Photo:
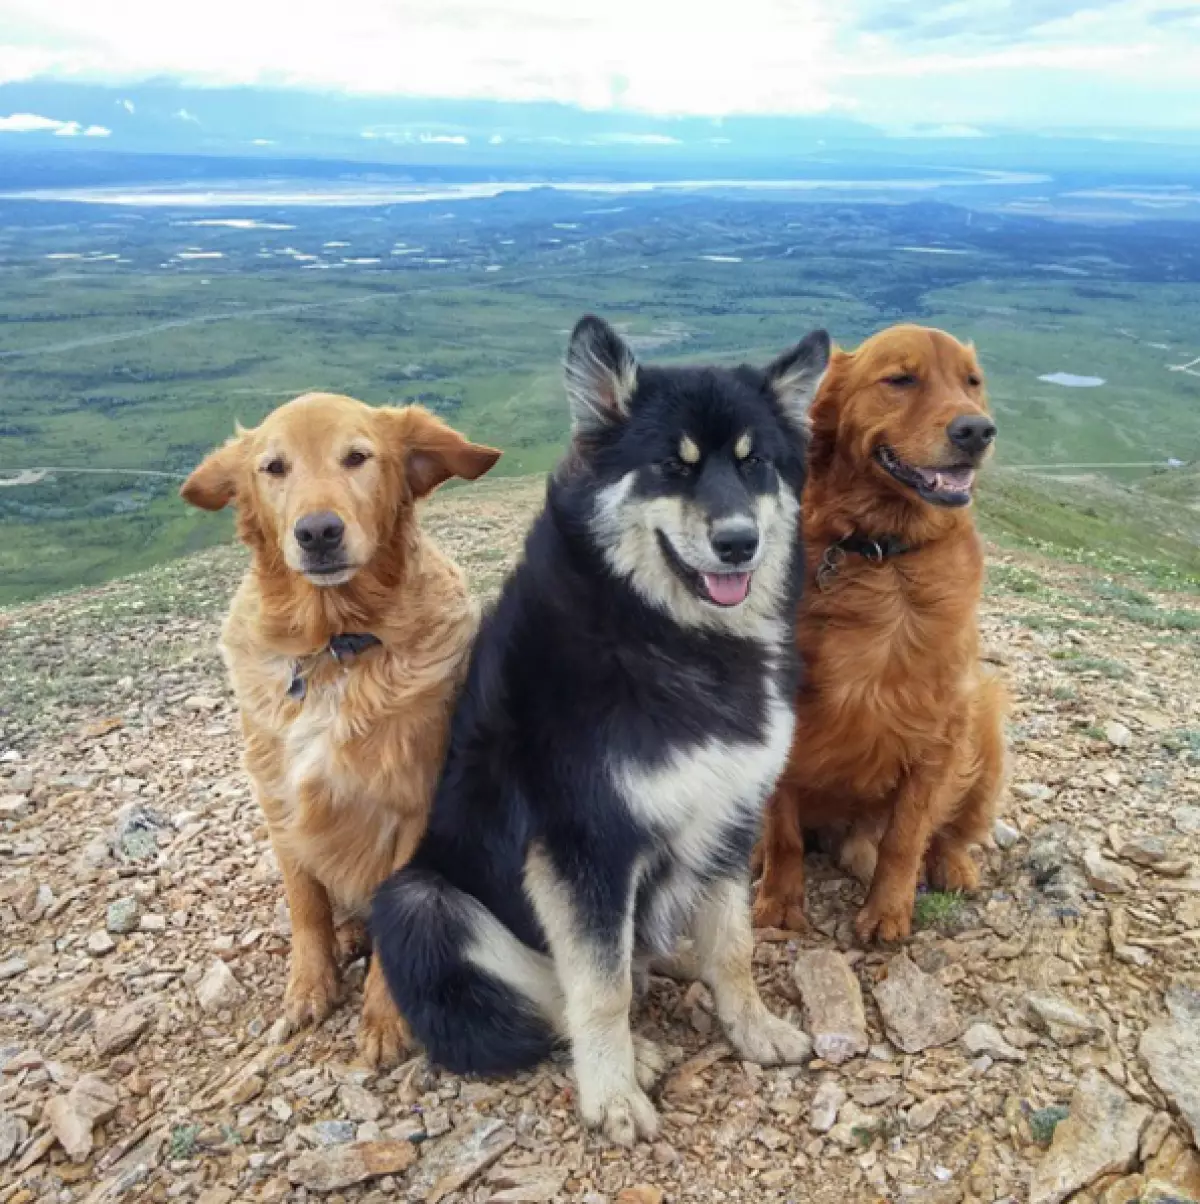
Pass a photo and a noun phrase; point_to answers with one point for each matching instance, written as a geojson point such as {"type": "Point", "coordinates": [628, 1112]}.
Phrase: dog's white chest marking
{"type": "Point", "coordinates": [691, 800]}
{"type": "Point", "coordinates": [313, 736]}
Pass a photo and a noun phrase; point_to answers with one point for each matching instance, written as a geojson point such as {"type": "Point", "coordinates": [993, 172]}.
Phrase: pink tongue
{"type": "Point", "coordinates": [727, 589]}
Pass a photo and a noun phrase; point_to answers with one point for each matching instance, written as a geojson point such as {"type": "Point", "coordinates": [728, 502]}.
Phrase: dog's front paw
{"type": "Point", "coordinates": [760, 1037]}
{"type": "Point", "coordinates": [382, 1034]}
{"type": "Point", "coordinates": [649, 1062]}
{"type": "Point", "coordinates": [885, 919]}
{"type": "Point", "coordinates": [312, 992]}
{"type": "Point", "coordinates": [623, 1117]}
{"type": "Point", "coordinates": [772, 912]}
{"type": "Point", "coordinates": [954, 869]}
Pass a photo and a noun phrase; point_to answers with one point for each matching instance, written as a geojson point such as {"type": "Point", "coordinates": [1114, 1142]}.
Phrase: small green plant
{"type": "Point", "coordinates": [183, 1142]}
{"type": "Point", "coordinates": [1064, 693]}
{"type": "Point", "coordinates": [1044, 1121]}
{"type": "Point", "coordinates": [1098, 664]}
{"type": "Point", "coordinates": [938, 909]}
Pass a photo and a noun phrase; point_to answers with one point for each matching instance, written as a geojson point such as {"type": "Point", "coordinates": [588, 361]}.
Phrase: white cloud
{"type": "Point", "coordinates": [449, 139]}
{"type": "Point", "coordinates": [34, 123]}
{"type": "Point", "coordinates": [947, 62]}
{"type": "Point", "coordinates": [774, 57]}
{"type": "Point", "coordinates": [28, 123]}
{"type": "Point", "coordinates": [128, 106]}
{"type": "Point", "coordinates": [639, 139]}
{"type": "Point", "coordinates": [184, 115]}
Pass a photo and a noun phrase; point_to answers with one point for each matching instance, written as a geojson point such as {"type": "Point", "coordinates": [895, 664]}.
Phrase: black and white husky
{"type": "Point", "coordinates": [626, 713]}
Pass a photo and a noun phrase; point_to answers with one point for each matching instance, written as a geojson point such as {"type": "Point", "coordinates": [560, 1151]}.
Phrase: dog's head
{"type": "Point", "coordinates": [325, 482]}
{"type": "Point", "coordinates": [696, 472]}
{"type": "Point", "coordinates": [909, 408]}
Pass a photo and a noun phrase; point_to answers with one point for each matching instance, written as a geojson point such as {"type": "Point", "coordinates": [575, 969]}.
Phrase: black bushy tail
{"type": "Point", "coordinates": [468, 1021]}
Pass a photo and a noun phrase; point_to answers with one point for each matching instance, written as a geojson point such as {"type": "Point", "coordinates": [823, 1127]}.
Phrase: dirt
{"type": "Point", "coordinates": [144, 948]}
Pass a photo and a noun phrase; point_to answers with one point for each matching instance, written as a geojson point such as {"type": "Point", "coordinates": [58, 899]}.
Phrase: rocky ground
{"type": "Point", "coordinates": [1040, 1041]}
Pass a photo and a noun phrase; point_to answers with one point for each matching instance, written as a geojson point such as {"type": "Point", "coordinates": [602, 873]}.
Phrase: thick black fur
{"type": "Point", "coordinates": [573, 670]}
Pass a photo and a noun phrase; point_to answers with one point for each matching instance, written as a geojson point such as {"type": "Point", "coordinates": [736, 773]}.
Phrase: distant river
{"type": "Point", "coordinates": [356, 194]}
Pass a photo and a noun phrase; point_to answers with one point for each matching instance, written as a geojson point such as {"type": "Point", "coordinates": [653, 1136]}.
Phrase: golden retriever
{"type": "Point", "coordinates": [899, 732]}
{"type": "Point", "coordinates": [345, 643]}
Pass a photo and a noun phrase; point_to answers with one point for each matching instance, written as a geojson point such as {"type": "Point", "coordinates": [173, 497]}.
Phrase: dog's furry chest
{"type": "Point", "coordinates": [329, 807]}
{"type": "Point", "coordinates": [700, 808]}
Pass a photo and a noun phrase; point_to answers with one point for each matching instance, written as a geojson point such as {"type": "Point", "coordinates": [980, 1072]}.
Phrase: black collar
{"type": "Point", "coordinates": [343, 648]}
{"type": "Point", "coordinates": [875, 549]}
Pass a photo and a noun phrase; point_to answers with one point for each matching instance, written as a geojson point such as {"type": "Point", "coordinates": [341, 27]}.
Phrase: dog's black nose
{"type": "Point", "coordinates": [735, 544]}
{"type": "Point", "coordinates": [320, 532]}
{"type": "Point", "coordinates": [972, 432]}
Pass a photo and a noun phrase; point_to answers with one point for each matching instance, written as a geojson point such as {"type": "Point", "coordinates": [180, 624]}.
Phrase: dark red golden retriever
{"type": "Point", "coordinates": [899, 739]}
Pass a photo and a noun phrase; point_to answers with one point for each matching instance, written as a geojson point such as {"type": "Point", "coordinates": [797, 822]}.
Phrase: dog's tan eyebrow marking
{"type": "Point", "coordinates": [742, 448]}
{"type": "Point", "coordinates": [689, 452]}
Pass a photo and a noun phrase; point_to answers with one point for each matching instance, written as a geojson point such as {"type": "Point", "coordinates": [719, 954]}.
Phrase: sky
{"type": "Point", "coordinates": [957, 67]}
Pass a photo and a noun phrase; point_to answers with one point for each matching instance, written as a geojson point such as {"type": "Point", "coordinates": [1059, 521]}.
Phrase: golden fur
{"type": "Point", "coordinates": [344, 775]}
{"type": "Point", "coordinates": [899, 733]}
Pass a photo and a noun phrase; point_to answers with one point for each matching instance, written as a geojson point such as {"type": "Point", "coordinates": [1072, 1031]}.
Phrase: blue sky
{"type": "Point", "coordinates": [955, 68]}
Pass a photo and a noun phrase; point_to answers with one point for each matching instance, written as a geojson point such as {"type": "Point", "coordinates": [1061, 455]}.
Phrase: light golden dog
{"type": "Point", "coordinates": [345, 643]}
{"type": "Point", "coordinates": [899, 727]}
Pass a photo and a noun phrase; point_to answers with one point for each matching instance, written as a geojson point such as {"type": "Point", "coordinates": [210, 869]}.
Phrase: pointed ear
{"type": "Point", "coordinates": [601, 376]}
{"type": "Point", "coordinates": [213, 484]}
{"type": "Point", "coordinates": [434, 452]}
{"type": "Point", "coordinates": [796, 375]}
{"type": "Point", "coordinates": [825, 411]}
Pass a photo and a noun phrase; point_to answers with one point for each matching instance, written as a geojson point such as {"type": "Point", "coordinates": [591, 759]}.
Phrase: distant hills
{"type": "Point", "coordinates": [47, 117]}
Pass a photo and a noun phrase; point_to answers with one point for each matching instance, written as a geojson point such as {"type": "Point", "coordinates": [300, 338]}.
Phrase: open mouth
{"type": "Point", "coordinates": [720, 589]}
{"type": "Point", "coordinates": [949, 485]}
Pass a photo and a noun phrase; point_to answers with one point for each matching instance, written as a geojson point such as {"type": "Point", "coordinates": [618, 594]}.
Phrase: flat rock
{"type": "Point", "coordinates": [1171, 1051]}
{"type": "Point", "coordinates": [1187, 820]}
{"type": "Point", "coordinates": [833, 1005]}
{"type": "Point", "coordinates": [986, 1039]}
{"type": "Point", "coordinates": [641, 1193]}
{"type": "Point", "coordinates": [336, 1167]}
{"type": "Point", "coordinates": [331, 1132]}
{"type": "Point", "coordinates": [71, 1117]}
{"type": "Point", "coordinates": [100, 944]}
{"type": "Point", "coordinates": [528, 1185]}
{"type": "Point", "coordinates": [11, 967]}
{"type": "Point", "coordinates": [135, 833]}
{"type": "Point", "coordinates": [452, 1161]}
{"type": "Point", "coordinates": [826, 1103]}
{"type": "Point", "coordinates": [13, 806]}
{"type": "Point", "coordinates": [1144, 850]}
{"type": "Point", "coordinates": [1100, 1136]}
{"type": "Point", "coordinates": [358, 1103]}
{"type": "Point", "coordinates": [1062, 1022]}
{"type": "Point", "coordinates": [918, 1012]}
{"type": "Point", "coordinates": [1106, 876]}
{"type": "Point", "coordinates": [13, 1131]}
{"type": "Point", "coordinates": [921, 1116]}
{"type": "Point", "coordinates": [1004, 834]}
{"type": "Point", "coordinates": [218, 988]}
{"type": "Point", "coordinates": [121, 916]}
{"type": "Point", "coordinates": [1117, 734]}
{"type": "Point", "coordinates": [117, 1031]}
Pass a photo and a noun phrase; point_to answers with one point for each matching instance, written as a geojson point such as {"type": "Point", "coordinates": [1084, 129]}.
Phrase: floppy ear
{"type": "Point", "coordinates": [796, 375]}
{"type": "Point", "coordinates": [435, 452]}
{"type": "Point", "coordinates": [213, 484]}
{"type": "Point", "coordinates": [601, 376]}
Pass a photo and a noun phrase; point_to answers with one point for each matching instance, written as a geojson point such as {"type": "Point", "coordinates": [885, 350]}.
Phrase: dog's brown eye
{"type": "Point", "coordinates": [901, 380]}
{"type": "Point", "coordinates": [275, 468]}
{"type": "Point", "coordinates": [974, 380]}
{"type": "Point", "coordinates": [355, 459]}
